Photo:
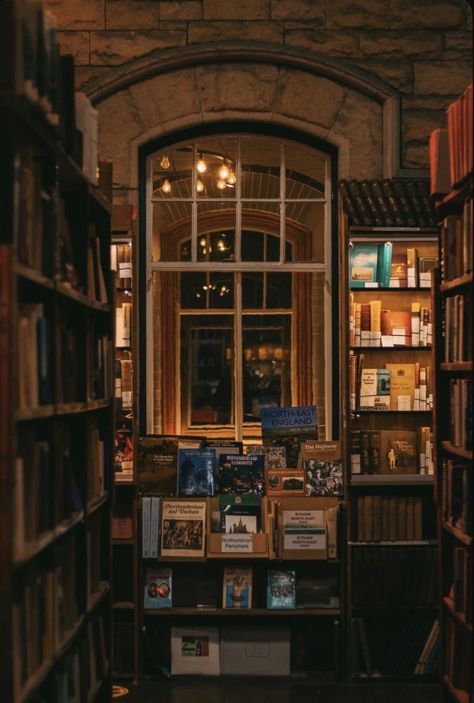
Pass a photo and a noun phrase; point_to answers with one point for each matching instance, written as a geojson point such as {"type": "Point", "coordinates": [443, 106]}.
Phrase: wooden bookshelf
{"type": "Point", "coordinates": [454, 290]}
{"type": "Point", "coordinates": [56, 435]}
{"type": "Point", "coordinates": [372, 610]}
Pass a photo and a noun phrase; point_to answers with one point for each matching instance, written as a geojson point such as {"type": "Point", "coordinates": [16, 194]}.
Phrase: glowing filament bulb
{"type": "Point", "coordinates": [223, 171]}
{"type": "Point", "coordinates": [201, 165]}
{"type": "Point", "coordinates": [199, 185]}
{"type": "Point", "coordinates": [165, 162]}
{"type": "Point", "coordinates": [221, 184]}
{"type": "Point", "coordinates": [232, 179]}
{"type": "Point", "coordinates": [166, 187]}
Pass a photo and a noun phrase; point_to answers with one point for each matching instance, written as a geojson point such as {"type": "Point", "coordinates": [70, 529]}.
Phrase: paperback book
{"type": "Point", "coordinates": [288, 427]}
{"type": "Point", "coordinates": [158, 588]}
{"type": "Point", "coordinates": [284, 482]}
{"type": "Point", "coordinates": [241, 473]}
{"type": "Point", "coordinates": [275, 457]}
{"type": "Point", "coordinates": [183, 528]}
{"type": "Point", "coordinates": [158, 461]}
{"type": "Point", "coordinates": [237, 588]}
{"type": "Point", "coordinates": [323, 468]}
{"type": "Point", "coordinates": [240, 514]}
{"type": "Point", "coordinates": [304, 530]}
{"type": "Point", "coordinates": [196, 472]}
{"type": "Point", "coordinates": [281, 589]}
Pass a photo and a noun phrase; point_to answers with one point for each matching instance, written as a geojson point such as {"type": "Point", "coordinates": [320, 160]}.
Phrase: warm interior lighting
{"type": "Point", "coordinates": [221, 184]}
{"type": "Point", "coordinates": [223, 171]}
{"type": "Point", "coordinates": [201, 165]}
{"type": "Point", "coordinates": [166, 187]}
{"type": "Point", "coordinates": [232, 178]}
{"type": "Point", "coordinates": [199, 185]}
{"type": "Point", "coordinates": [165, 162]}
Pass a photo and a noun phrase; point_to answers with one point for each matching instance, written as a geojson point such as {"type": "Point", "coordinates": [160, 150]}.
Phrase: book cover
{"type": "Point", "coordinates": [183, 528]}
{"type": "Point", "coordinates": [283, 482]}
{"type": "Point", "coordinates": [123, 456]}
{"type": "Point", "coordinates": [223, 446]}
{"type": "Point", "coordinates": [241, 473]}
{"type": "Point", "coordinates": [402, 386]}
{"type": "Point", "coordinates": [240, 514]}
{"type": "Point", "coordinates": [237, 588]}
{"type": "Point", "coordinates": [384, 264]}
{"type": "Point", "coordinates": [398, 452]}
{"type": "Point", "coordinates": [157, 464]}
{"type": "Point", "coordinates": [288, 427]}
{"type": "Point", "coordinates": [323, 468]}
{"type": "Point", "coordinates": [275, 457]}
{"type": "Point", "coordinates": [196, 472]}
{"type": "Point", "coordinates": [304, 530]}
{"type": "Point", "coordinates": [158, 588]}
{"type": "Point", "coordinates": [399, 270]}
{"type": "Point", "coordinates": [281, 591]}
{"type": "Point", "coordinates": [396, 328]}
{"type": "Point", "coordinates": [363, 266]}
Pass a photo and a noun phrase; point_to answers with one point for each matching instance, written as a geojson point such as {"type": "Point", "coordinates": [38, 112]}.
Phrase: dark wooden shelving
{"type": "Point", "coordinates": [463, 366]}
{"type": "Point", "coordinates": [459, 617]}
{"type": "Point", "coordinates": [37, 413]}
{"type": "Point", "coordinates": [372, 289]}
{"type": "Point", "coordinates": [456, 693]}
{"type": "Point", "coordinates": [34, 276]}
{"type": "Point", "coordinates": [459, 282]}
{"type": "Point", "coordinates": [457, 451]}
{"type": "Point", "coordinates": [457, 533]}
{"type": "Point", "coordinates": [249, 612]}
{"type": "Point", "coordinates": [390, 349]}
{"type": "Point", "coordinates": [391, 480]}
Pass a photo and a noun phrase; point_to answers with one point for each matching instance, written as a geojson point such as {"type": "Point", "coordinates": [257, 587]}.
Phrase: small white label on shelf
{"type": "Point", "coordinates": [237, 543]}
{"type": "Point", "coordinates": [387, 340]}
{"type": "Point", "coordinates": [404, 402]}
{"type": "Point", "coordinates": [371, 284]}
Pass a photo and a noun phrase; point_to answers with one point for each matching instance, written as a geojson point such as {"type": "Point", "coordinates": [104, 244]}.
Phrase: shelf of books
{"type": "Point", "coordinates": [124, 515]}
{"type": "Point", "coordinates": [241, 549]}
{"type": "Point", "coordinates": [389, 248]}
{"type": "Point", "coordinates": [55, 376]}
{"type": "Point", "coordinates": [452, 192]}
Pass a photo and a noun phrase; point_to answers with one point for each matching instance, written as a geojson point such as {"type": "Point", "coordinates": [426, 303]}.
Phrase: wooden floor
{"type": "Point", "coordinates": [245, 690]}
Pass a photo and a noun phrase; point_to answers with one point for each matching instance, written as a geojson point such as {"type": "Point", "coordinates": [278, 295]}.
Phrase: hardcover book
{"type": "Point", "coordinates": [398, 452]}
{"type": "Point", "coordinates": [288, 427]}
{"type": "Point", "coordinates": [158, 589]}
{"type": "Point", "coordinates": [284, 482]}
{"type": "Point", "coordinates": [281, 589]}
{"type": "Point", "coordinates": [183, 528]}
{"type": "Point", "coordinates": [402, 386]}
{"type": "Point", "coordinates": [363, 266]}
{"type": "Point", "coordinates": [237, 588]}
{"type": "Point", "coordinates": [123, 456]}
{"type": "Point", "coordinates": [323, 468]}
{"type": "Point", "coordinates": [275, 457]}
{"type": "Point", "coordinates": [241, 473]}
{"type": "Point", "coordinates": [196, 472]}
{"type": "Point", "coordinates": [396, 327]}
{"type": "Point", "coordinates": [157, 464]}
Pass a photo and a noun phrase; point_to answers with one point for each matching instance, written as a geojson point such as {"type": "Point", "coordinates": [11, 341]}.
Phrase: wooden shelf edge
{"type": "Point", "coordinates": [33, 549]}
{"type": "Point", "coordinates": [238, 612]}
{"type": "Point", "coordinates": [381, 289]}
{"type": "Point", "coordinates": [456, 366]}
{"type": "Point", "coordinates": [36, 413]}
{"type": "Point", "coordinates": [400, 543]}
{"type": "Point", "coordinates": [458, 282]}
{"type": "Point", "coordinates": [31, 274]}
{"type": "Point", "coordinates": [388, 480]}
{"type": "Point", "coordinates": [80, 298]}
{"type": "Point", "coordinates": [390, 349]}
{"type": "Point", "coordinates": [123, 605]}
{"type": "Point", "coordinates": [97, 502]}
{"type": "Point", "coordinates": [457, 451]}
{"type": "Point", "coordinates": [457, 533]}
{"type": "Point", "coordinates": [456, 693]}
{"type": "Point", "coordinates": [96, 598]}
{"type": "Point", "coordinates": [459, 617]}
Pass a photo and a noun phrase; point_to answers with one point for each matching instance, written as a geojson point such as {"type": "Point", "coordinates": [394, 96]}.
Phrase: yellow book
{"type": "Point", "coordinates": [402, 386]}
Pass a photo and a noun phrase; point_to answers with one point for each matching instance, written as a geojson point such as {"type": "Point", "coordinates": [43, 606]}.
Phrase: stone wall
{"type": "Point", "coordinates": [422, 49]}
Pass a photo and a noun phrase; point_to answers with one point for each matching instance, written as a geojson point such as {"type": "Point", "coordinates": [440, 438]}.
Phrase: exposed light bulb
{"type": "Point", "coordinates": [199, 185]}
{"type": "Point", "coordinates": [166, 187]}
{"type": "Point", "coordinates": [165, 162]}
{"type": "Point", "coordinates": [221, 184]}
{"type": "Point", "coordinates": [201, 165]}
{"type": "Point", "coordinates": [202, 242]}
{"type": "Point", "coordinates": [232, 179]}
{"type": "Point", "coordinates": [223, 171]}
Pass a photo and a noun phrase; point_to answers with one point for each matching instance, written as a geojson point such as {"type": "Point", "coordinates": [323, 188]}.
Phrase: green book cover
{"type": "Point", "coordinates": [363, 265]}
{"type": "Point", "coordinates": [384, 264]}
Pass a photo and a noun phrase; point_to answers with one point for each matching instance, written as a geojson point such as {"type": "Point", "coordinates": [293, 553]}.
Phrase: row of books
{"type": "Point", "coordinates": [458, 328]}
{"type": "Point", "coordinates": [383, 576]}
{"type": "Point", "coordinates": [101, 357]}
{"type": "Point", "coordinates": [401, 387]}
{"type": "Point", "coordinates": [378, 265]}
{"type": "Point", "coordinates": [177, 528]}
{"type": "Point", "coordinates": [460, 128]}
{"type": "Point", "coordinates": [121, 262]}
{"type": "Point", "coordinates": [396, 649]}
{"type": "Point", "coordinates": [372, 326]}
{"type": "Point", "coordinates": [45, 610]}
{"type": "Point", "coordinates": [123, 383]}
{"type": "Point", "coordinates": [456, 243]}
{"type": "Point", "coordinates": [391, 202]}
{"type": "Point", "coordinates": [460, 592]}
{"type": "Point", "coordinates": [457, 486]}
{"type": "Point", "coordinates": [96, 285]}
{"type": "Point", "coordinates": [98, 454]}
{"type": "Point", "coordinates": [123, 325]}
{"type": "Point", "coordinates": [460, 425]}
{"type": "Point", "coordinates": [392, 452]}
{"type": "Point", "coordinates": [34, 356]}
{"type": "Point", "coordinates": [389, 518]}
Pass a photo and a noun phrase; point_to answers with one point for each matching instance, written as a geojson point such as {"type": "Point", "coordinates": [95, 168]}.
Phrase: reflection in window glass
{"type": "Point", "coordinates": [278, 290]}
{"type": "Point", "coordinates": [252, 291]}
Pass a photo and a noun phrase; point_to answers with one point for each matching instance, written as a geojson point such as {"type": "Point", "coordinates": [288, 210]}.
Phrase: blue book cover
{"type": "Point", "coordinates": [196, 472]}
{"type": "Point", "coordinates": [288, 427]}
{"type": "Point", "coordinates": [241, 473]}
{"type": "Point", "coordinates": [363, 265]}
{"type": "Point", "coordinates": [384, 265]}
{"type": "Point", "coordinates": [158, 588]}
{"type": "Point", "coordinates": [281, 589]}
{"type": "Point", "coordinates": [237, 588]}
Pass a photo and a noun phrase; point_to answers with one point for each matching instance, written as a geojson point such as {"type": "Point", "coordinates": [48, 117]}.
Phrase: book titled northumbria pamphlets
{"type": "Point", "coordinates": [288, 427]}
{"type": "Point", "coordinates": [183, 528]}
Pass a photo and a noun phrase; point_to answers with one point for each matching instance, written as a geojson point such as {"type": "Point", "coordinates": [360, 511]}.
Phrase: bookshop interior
{"type": "Point", "coordinates": [236, 351]}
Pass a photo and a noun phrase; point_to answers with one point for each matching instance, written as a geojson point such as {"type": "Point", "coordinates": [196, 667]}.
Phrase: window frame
{"type": "Point", "coordinates": [147, 266]}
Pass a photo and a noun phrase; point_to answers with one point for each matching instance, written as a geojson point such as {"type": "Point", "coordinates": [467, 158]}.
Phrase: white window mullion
{"type": "Point", "coordinates": [149, 295]}
{"type": "Point", "coordinates": [328, 300]}
{"type": "Point", "coordinates": [282, 203]}
{"type": "Point", "coordinates": [238, 360]}
{"type": "Point", "coordinates": [194, 211]}
{"type": "Point", "coordinates": [238, 195]}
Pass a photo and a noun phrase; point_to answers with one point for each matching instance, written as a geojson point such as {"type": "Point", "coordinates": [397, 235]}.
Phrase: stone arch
{"type": "Point", "coordinates": [176, 89]}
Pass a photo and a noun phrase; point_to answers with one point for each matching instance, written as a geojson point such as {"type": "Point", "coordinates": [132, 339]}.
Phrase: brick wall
{"type": "Point", "coordinates": [422, 48]}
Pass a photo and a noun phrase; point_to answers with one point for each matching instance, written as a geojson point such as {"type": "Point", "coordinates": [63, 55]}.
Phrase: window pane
{"type": "Point", "coordinates": [171, 173]}
{"type": "Point", "coordinates": [252, 291]}
{"type": "Point", "coordinates": [260, 166]}
{"type": "Point", "coordinates": [305, 228]}
{"type": "Point", "coordinates": [216, 168]}
{"type": "Point", "coordinates": [216, 231]}
{"type": "Point", "coordinates": [171, 228]}
{"type": "Point", "coordinates": [266, 357]}
{"type": "Point", "coordinates": [278, 290]}
{"type": "Point", "coordinates": [206, 370]}
{"type": "Point", "coordinates": [305, 170]}
{"type": "Point", "coordinates": [221, 290]}
{"type": "Point", "coordinates": [194, 290]}
{"type": "Point", "coordinates": [252, 248]}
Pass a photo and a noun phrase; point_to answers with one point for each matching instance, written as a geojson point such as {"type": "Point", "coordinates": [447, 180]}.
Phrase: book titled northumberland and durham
{"type": "Point", "coordinates": [288, 427]}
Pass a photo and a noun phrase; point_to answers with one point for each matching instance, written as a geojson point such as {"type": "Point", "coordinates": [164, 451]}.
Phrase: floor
{"type": "Point", "coordinates": [232, 690]}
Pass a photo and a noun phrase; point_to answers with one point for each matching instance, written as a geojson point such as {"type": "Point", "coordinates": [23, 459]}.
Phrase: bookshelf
{"type": "Point", "coordinates": [55, 384]}
{"type": "Point", "coordinates": [125, 605]}
{"type": "Point", "coordinates": [391, 520]}
{"type": "Point", "coordinates": [453, 415]}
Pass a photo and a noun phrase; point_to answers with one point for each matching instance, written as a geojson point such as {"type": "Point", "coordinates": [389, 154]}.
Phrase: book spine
{"type": "Point", "coordinates": [415, 325]}
{"type": "Point", "coordinates": [146, 527]}
{"type": "Point", "coordinates": [375, 307]}
{"type": "Point", "coordinates": [385, 264]}
{"type": "Point", "coordinates": [154, 526]}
